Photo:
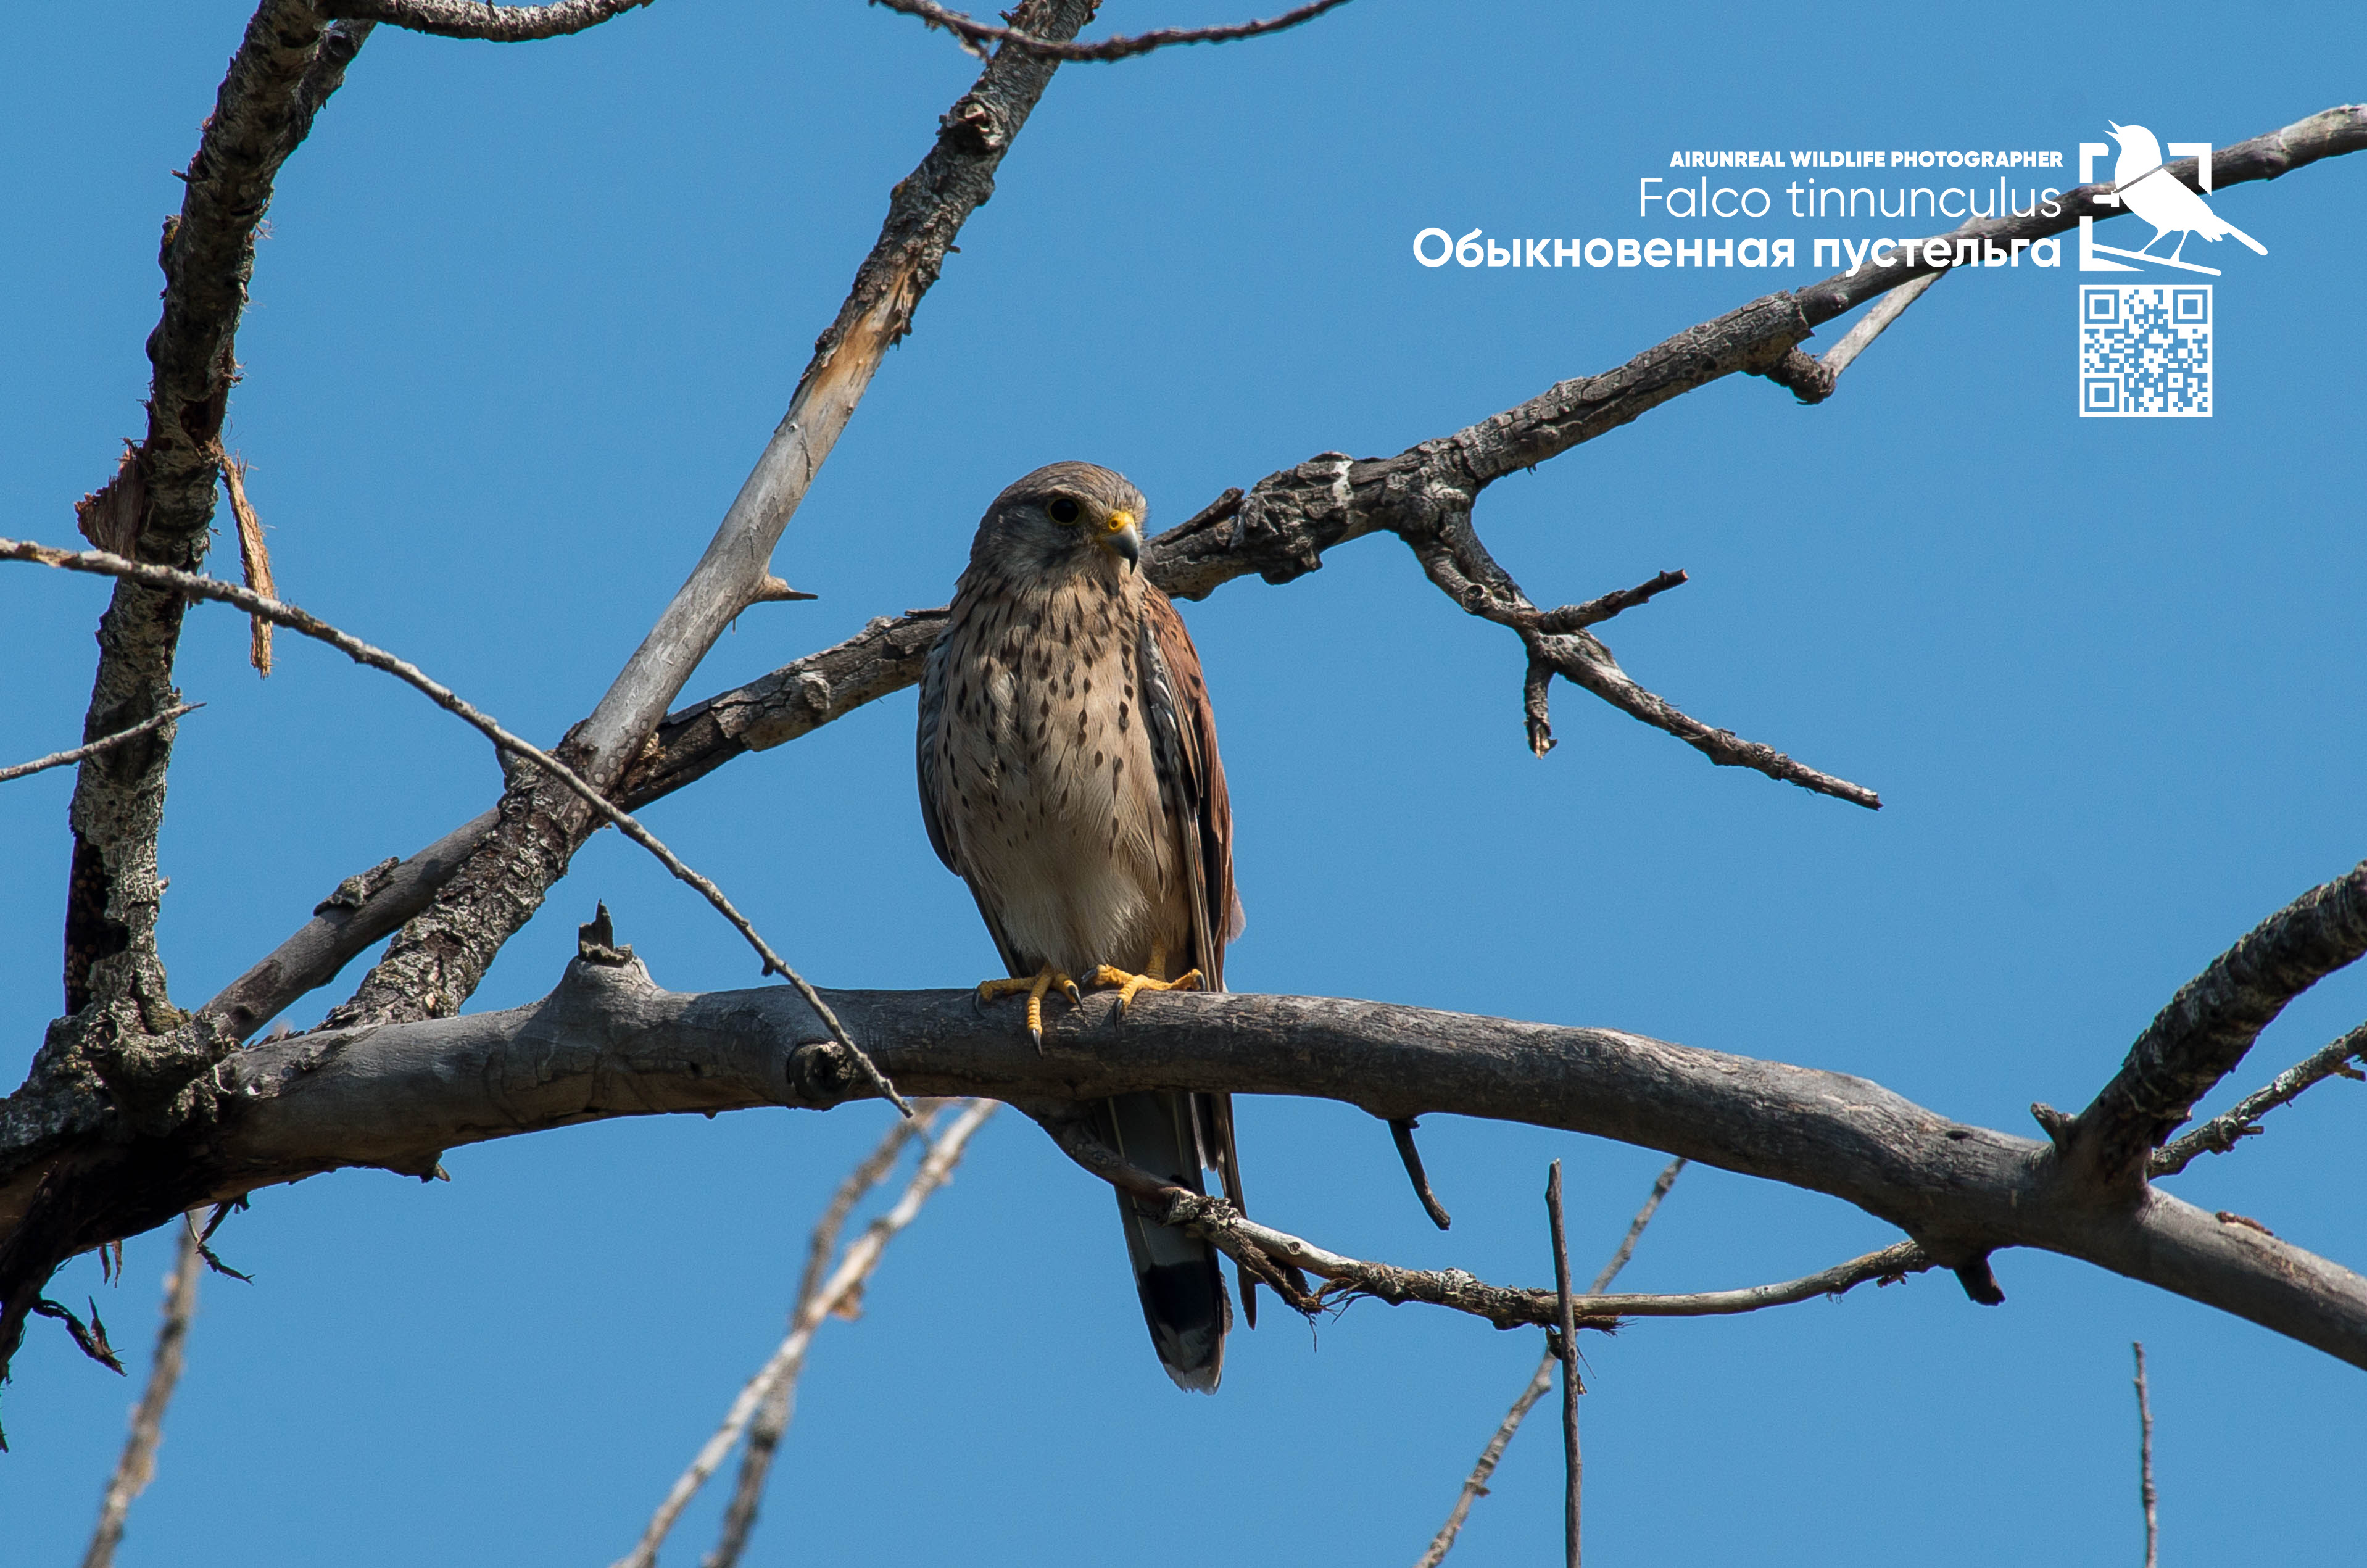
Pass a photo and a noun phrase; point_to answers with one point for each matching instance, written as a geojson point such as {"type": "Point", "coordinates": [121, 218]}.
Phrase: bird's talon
{"type": "Point", "coordinates": [1034, 988]}
{"type": "Point", "coordinates": [1130, 985]}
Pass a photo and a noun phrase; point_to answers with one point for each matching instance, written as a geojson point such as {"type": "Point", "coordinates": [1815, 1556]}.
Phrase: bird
{"type": "Point", "coordinates": [2147, 190]}
{"type": "Point", "coordinates": [1068, 773]}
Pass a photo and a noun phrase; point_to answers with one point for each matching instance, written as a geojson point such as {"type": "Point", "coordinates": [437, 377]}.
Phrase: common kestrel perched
{"type": "Point", "coordinates": [1069, 774]}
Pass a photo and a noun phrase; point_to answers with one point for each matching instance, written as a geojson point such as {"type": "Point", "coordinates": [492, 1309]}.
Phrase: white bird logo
{"type": "Point", "coordinates": [2147, 190]}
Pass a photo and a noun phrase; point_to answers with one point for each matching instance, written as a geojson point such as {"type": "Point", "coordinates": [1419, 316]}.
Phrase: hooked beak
{"type": "Point", "coordinates": [1122, 536]}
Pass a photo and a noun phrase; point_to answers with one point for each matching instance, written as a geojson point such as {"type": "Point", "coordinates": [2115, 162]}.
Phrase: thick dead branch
{"type": "Point", "coordinates": [489, 24]}
{"type": "Point", "coordinates": [2210, 1025]}
{"type": "Point", "coordinates": [366, 908]}
{"type": "Point", "coordinates": [973, 33]}
{"type": "Point", "coordinates": [839, 1292]}
{"type": "Point", "coordinates": [100, 563]}
{"type": "Point", "coordinates": [137, 1466]}
{"type": "Point", "coordinates": [608, 1043]}
{"type": "Point", "coordinates": [2221, 1133]}
{"type": "Point", "coordinates": [441, 954]}
{"type": "Point", "coordinates": [160, 503]}
{"type": "Point", "coordinates": [59, 758]}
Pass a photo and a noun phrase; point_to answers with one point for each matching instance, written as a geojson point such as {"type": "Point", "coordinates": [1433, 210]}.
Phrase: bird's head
{"type": "Point", "coordinates": [1065, 517]}
{"type": "Point", "coordinates": [2136, 142]}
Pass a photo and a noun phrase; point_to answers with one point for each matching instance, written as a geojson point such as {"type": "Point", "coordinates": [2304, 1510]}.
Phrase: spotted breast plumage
{"type": "Point", "coordinates": [1069, 774]}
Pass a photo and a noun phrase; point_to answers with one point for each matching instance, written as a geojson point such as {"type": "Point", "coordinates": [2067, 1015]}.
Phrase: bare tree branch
{"type": "Point", "coordinates": [365, 907]}
{"type": "Point", "coordinates": [473, 19]}
{"type": "Point", "coordinates": [137, 1466]}
{"type": "Point", "coordinates": [2208, 1028]}
{"type": "Point", "coordinates": [161, 501]}
{"type": "Point", "coordinates": [441, 954]}
{"type": "Point", "coordinates": [973, 33]}
{"type": "Point", "coordinates": [1627, 1248]}
{"type": "Point", "coordinates": [1477, 1486]}
{"type": "Point", "coordinates": [98, 562]}
{"type": "Point", "coordinates": [59, 758]}
{"type": "Point", "coordinates": [839, 1291]}
{"type": "Point", "coordinates": [1402, 1129]}
{"type": "Point", "coordinates": [1873, 324]}
{"type": "Point", "coordinates": [2221, 1133]}
{"type": "Point", "coordinates": [1566, 1324]}
{"type": "Point", "coordinates": [608, 1043]}
{"type": "Point", "coordinates": [2145, 1461]}
{"type": "Point", "coordinates": [772, 1418]}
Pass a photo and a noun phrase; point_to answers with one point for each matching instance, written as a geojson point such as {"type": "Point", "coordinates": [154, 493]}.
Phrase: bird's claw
{"type": "Point", "coordinates": [1034, 988]}
{"type": "Point", "coordinates": [1128, 986]}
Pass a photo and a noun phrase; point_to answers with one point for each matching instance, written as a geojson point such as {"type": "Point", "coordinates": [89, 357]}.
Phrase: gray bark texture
{"type": "Point", "coordinates": [607, 1042]}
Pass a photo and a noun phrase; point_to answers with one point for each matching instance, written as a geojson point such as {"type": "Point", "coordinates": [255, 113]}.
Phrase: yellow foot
{"type": "Point", "coordinates": [1128, 985]}
{"type": "Point", "coordinates": [1033, 988]}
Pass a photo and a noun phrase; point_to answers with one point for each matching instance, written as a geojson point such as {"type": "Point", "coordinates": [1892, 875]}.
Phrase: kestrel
{"type": "Point", "coordinates": [1069, 774]}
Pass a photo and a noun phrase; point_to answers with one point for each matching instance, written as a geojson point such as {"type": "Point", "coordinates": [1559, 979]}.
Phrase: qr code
{"type": "Point", "coordinates": [2144, 349]}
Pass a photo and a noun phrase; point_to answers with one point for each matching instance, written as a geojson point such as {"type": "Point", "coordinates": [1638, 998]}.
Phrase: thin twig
{"type": "Point", "coordinates": [137, 1466]}
{"type": "Point", "coordinates": [59, 758]}
{"type": "Point", "coordinates": [488, 24]}
{"type": "Point", "coordinates": [972, 33]}
{"type": "Point", "coordinates": [1573, 1463]}
{"type": "Point", "coordinates": [1261, 1247]}
{"type": "Point", "coordinates": [1668, 1179]}
{"type": "Point", "coordinates": [1401, 1133]}
{"type": "Point", "coordinates": [843, 1288]}
{"type": "Point", "coordinates": [1476, 1486]}
{"type": "Point", "coordinates": [100, 563]}
{"type": "Point", "coordinates": [772, 1419]}
{"type": "Point", "coordinates": [2222, 1132]}
{"type": "Point", "coordinates": [2144, 1460]}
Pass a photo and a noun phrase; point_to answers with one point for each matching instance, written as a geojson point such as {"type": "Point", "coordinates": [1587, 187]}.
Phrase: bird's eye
{"type": "Point", "coordinates": [1062, 511]}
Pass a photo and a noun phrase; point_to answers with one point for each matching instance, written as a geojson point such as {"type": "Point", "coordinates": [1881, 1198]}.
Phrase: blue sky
{"type": "Point", "coordinates": [523, 319]}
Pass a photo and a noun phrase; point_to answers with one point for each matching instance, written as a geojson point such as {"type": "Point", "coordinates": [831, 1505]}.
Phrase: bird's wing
{"type": "Point", "coordinates": [933, 713]}
{"type": "Point", "coordinates": [1184, 744]}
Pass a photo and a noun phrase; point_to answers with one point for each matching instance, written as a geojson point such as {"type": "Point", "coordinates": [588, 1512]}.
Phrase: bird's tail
{"type": "Point", "coordinates": [1182, 1291]}
{"type": "Point", "coordinates": [2257, 248]}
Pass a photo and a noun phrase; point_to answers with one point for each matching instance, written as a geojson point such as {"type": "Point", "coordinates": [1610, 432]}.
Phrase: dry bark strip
{"type": "Point", "coordinates": [434, 963]}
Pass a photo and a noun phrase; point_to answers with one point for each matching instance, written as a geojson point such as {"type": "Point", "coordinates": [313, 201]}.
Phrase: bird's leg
{"type": "Point", "coordinates": [1032, 987]}
{"type": "Point", "coordinates": [1128, 985]}
{"type": "Point", "coordinates": [2181, 244]}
